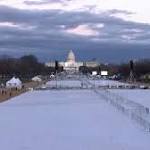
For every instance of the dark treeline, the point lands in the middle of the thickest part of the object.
(24, 67)
(111, 68)
(29, 66)
(141, 68)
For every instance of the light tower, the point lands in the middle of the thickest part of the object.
(131, 76)
(56, 71)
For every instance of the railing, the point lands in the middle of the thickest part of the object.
(135, 111)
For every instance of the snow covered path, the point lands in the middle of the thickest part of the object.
(67, 120)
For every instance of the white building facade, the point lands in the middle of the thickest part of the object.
(70, 65)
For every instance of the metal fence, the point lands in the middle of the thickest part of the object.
(135, 111)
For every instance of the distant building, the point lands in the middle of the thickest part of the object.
(71, 65)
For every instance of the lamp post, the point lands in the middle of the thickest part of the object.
(56, 71)
(131, 76)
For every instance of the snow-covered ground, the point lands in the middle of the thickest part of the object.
(67, 120)
(64, 83)
(137, 95)
(107, 83)
(77, 83)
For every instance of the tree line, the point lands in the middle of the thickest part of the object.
(29, 66)
(24, 67)
(141, 68)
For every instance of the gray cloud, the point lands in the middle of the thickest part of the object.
(116, 11)
(44, 2)
(43, 32)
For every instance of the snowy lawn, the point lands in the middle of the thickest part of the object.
(137, 95)
(107, 83)
(67, 120)
(64, 83)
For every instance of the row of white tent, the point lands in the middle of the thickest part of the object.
(17, 83)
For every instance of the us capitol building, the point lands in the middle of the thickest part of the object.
(71, 65)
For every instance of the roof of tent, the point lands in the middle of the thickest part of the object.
(36, 78)
(14, 80)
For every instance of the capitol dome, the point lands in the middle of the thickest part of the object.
(71, 57)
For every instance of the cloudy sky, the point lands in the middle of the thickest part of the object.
(108, 30)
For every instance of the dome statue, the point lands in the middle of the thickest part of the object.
(71, 57)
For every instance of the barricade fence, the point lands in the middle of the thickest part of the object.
(133, 110)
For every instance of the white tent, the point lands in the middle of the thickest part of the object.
(14, 83)
(52, 76)
(36, 79)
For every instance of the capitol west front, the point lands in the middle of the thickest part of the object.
(70, 65)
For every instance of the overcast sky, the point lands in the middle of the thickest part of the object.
(108, 30)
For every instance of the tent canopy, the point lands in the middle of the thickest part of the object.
(14, 83)
(36, 79)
